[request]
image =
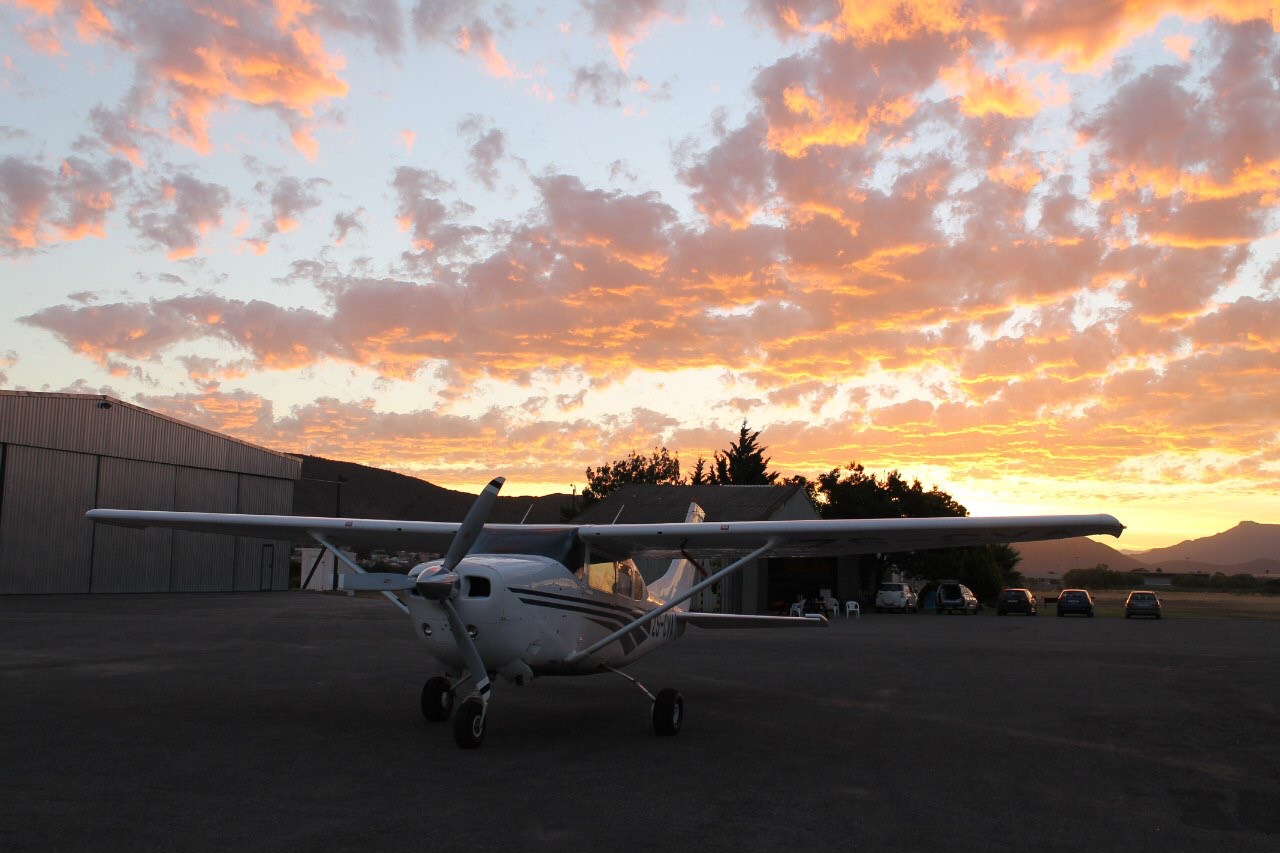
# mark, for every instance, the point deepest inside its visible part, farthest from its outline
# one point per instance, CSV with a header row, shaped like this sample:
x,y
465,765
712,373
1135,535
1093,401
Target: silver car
x,y
953,596
1142,602
896,596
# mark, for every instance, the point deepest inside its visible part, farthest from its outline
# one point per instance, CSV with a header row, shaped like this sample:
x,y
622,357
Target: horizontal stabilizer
x,y
375,582
738,620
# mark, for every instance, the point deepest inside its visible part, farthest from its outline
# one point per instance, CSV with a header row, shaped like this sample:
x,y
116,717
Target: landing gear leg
x,y
668,706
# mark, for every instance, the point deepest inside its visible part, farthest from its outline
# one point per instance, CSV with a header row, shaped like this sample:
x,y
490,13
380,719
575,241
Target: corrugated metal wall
x,y
203,562
263,563
126,560
45,540
61,455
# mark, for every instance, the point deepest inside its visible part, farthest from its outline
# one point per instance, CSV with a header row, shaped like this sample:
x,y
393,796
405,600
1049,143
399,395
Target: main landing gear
x,y
439,695
668,706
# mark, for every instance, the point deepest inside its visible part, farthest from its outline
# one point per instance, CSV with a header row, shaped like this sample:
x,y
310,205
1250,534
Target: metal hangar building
x,y
64,454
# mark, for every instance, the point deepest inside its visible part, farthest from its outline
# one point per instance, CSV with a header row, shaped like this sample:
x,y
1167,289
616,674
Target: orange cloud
x,y
980,93
816,123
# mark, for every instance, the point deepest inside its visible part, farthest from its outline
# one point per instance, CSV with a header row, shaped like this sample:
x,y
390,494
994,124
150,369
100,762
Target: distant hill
x,y
1059,556
1248,548
367,492
1245,542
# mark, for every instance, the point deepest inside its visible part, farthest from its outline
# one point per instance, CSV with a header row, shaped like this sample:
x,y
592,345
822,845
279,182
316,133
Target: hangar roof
x,y
96,423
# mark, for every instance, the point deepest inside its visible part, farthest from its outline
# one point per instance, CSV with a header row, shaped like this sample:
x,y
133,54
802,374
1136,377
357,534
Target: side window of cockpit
x,y
639,591
622,586
602,576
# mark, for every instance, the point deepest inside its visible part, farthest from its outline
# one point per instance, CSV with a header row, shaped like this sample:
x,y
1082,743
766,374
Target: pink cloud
x,y
39,206
176,212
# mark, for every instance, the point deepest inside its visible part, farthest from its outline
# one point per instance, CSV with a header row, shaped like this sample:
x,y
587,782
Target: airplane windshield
x,y
558,545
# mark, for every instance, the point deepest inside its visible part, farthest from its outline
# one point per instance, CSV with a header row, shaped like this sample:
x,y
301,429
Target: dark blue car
x,y
1075,601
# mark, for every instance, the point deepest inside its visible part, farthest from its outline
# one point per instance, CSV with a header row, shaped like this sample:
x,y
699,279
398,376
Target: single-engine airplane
x,y
525,601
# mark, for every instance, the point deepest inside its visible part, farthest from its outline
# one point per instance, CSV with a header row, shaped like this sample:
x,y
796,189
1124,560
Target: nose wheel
x,y
468,725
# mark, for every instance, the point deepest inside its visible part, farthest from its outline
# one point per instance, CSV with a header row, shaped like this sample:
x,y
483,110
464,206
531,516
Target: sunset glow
x,y
1029,252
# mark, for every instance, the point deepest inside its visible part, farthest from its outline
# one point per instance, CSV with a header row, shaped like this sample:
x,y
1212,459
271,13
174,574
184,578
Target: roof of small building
x,y
639,503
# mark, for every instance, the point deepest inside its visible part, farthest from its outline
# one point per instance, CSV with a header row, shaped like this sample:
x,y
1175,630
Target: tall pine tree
x,y
744,463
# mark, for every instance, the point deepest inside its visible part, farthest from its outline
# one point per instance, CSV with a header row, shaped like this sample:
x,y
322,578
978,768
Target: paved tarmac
x,y
290,721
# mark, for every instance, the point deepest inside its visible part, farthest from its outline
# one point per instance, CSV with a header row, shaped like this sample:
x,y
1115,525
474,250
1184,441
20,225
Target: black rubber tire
x,y
468,724
668,712
437,699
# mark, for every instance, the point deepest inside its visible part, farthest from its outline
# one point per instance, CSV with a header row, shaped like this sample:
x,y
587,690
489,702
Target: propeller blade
x,y
472,524
374,582
470,654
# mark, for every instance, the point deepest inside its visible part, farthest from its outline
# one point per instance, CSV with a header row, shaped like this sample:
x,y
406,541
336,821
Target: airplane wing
x,y
835,536
373,533
810,538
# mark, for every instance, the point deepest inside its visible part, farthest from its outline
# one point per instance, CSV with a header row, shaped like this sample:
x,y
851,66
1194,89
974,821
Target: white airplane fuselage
x,y
527,613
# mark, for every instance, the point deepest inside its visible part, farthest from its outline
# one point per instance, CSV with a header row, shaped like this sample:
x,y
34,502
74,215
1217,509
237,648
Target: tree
x,y
700,476
853,493
661,468
744,463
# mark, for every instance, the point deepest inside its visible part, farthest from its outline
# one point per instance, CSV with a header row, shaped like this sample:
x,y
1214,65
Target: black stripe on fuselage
x,y
631,612
606,620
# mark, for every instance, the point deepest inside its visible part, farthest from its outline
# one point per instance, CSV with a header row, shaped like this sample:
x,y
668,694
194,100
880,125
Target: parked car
x,y
1016,601
896,596
1142,602
955,596
1075,601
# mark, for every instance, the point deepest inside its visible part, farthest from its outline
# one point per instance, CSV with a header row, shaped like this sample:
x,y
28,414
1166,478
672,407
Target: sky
x,y
1026,252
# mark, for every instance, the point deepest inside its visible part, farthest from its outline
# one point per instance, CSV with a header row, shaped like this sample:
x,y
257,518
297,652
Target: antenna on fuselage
x,y
526,514
619,515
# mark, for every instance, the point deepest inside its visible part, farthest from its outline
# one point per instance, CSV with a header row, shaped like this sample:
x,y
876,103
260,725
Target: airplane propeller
x,y
441,582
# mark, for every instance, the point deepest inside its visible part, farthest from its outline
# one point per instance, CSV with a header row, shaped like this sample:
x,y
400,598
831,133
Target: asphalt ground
x,y
290,721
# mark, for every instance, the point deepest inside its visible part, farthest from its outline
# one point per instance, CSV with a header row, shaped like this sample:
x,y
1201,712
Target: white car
x,y
896,596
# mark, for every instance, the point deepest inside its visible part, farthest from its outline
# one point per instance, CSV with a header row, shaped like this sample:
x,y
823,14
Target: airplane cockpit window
x,y
615,578
602,576
639,591
622,586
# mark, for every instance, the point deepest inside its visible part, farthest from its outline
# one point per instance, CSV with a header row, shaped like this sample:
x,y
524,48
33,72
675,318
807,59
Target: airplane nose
x,y
437,583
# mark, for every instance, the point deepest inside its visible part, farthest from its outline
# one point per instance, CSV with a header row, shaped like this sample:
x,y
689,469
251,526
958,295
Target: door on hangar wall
x,y
265,568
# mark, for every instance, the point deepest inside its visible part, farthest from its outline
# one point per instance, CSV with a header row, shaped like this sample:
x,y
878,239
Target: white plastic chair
x,y
852,607
797,609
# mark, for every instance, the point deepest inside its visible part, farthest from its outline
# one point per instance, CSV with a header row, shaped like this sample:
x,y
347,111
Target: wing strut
x,y
338,555
773,542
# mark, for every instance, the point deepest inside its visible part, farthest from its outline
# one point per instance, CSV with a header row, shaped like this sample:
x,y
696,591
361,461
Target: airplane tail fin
x,y
682,574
